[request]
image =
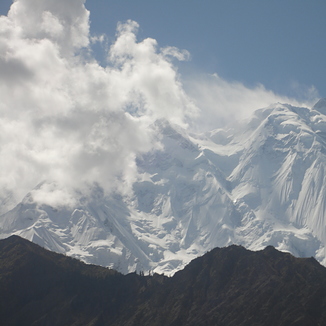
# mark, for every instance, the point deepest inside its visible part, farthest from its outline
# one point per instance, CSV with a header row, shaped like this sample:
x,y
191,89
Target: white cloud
x,y
66,119
181,55
53,195
65,23
221,102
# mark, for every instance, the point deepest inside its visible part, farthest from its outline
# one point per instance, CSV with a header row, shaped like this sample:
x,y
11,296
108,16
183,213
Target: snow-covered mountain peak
x,y
260,183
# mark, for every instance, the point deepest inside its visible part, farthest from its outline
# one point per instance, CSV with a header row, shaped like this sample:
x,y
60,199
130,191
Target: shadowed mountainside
x,y
227,286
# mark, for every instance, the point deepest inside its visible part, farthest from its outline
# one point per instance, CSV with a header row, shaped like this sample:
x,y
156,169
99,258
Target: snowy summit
x,y
261,184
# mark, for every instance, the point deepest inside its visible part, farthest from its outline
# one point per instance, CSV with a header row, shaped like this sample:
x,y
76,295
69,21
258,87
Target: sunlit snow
x,y
262,184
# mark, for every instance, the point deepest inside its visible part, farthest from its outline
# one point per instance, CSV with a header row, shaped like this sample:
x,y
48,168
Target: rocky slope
x,y
228,286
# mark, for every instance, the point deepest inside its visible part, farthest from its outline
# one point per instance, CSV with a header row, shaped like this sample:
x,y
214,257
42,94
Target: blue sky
x,y
276,43
280,44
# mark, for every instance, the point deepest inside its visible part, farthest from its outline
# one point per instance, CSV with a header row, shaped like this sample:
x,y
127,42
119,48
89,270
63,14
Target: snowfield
x,y
261,184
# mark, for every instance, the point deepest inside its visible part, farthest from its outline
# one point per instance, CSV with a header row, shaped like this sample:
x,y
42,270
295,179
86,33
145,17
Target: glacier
x,y
257,183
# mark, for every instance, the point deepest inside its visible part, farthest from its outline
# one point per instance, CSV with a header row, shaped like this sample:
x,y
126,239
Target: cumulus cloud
x,y
75,124
68,120
64,22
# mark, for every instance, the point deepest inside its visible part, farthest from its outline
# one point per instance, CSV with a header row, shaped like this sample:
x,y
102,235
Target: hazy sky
x,y
81,88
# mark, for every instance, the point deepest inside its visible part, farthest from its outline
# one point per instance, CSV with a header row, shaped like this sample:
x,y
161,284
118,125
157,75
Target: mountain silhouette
x,y
226,286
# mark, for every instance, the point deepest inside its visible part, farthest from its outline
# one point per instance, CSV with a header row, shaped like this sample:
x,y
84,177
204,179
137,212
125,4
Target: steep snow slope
x,y
263,184
280,177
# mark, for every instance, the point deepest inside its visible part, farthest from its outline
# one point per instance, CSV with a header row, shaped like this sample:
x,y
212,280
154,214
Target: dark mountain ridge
x,y
226,286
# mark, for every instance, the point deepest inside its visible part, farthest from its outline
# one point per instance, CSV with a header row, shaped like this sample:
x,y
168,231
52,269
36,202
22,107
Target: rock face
x,y
226,286
262,183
